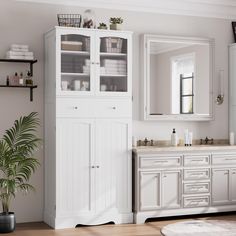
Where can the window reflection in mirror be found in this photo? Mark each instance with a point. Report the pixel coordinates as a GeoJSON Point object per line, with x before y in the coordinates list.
{"type": "Point", "coordinates": [178, 77]}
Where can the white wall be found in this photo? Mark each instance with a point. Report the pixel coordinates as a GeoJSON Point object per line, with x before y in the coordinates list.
{"type": "Point", "coordinates": [26, 23]}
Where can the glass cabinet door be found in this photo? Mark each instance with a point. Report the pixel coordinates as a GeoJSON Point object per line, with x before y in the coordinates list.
{"type": "Point", "coordinates": [113, 65]}
{"type": "Point", "coordinates": [75, 63]}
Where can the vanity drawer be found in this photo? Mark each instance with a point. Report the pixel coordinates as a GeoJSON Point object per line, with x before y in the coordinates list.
{"type": "Point", "coordinates": [223, 159]}
{"type": "Point", "coordinates": [196, 174]}
{"type": "Point", "coordinates": [160, 161]}
{"type": "Point", "coordinates": [198, 160]}
{"type": "Point", "coordinates": [193, 188]}
{"type": "Point", "coordinates": [98, 108]}
{"type": "Point", "coordinates": [202, 201]}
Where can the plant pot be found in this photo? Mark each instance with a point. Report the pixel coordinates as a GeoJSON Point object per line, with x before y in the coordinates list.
{"type": "Point", "coordinates": [7, 222]}
{"type": "Point", "coordinates": [102, 27]}
{"type": "Point", "coordinates": [115, 26]}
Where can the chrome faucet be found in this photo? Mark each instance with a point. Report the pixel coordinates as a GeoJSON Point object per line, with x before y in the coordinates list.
{"type": "Point", "coordinates": [207, 140]}
{"type": "Point", "coordinates": [146, 142]}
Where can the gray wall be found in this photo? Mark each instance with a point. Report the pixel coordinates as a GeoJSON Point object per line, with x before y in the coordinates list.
{"type": "Point", "coordinates": [26, 23]}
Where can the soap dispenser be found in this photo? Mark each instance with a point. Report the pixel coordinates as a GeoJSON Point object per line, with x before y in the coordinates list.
{"type": "Point", "coordinates": [174, 138]}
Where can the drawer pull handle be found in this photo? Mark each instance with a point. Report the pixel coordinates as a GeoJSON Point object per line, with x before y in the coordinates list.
{"type": "Point", "coordinates": [196, 160]}
{"type": "Point", "coordinates": [196, 174]}
{"type": "Point", "coordinates": [161, 161]}
{"type": "Point", "coordinates": [230, 159]}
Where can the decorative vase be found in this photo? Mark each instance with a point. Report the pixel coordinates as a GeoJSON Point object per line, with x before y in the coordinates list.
{"type": "Point", "coordinates": [115, 26]}
{"type": "Point", "coordinates": [7, 222]}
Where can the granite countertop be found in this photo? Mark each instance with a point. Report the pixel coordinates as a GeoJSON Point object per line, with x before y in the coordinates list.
{"type": "Point", "coordinates": [154, 149]}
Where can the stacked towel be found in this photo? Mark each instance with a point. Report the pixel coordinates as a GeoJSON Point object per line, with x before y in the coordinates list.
{"type": "Point", "coordinates": [21, 52]}
{"type": "Point", "coordinates": [86, 67]}
{"type": "Point", "coordinates": [114, 67]}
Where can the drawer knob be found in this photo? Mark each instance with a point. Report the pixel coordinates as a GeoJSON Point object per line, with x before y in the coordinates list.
{"type": "Point", "coordinates": [93, 167]}
{"type": "Point", "coordinates": [75, 108]}
{"type": "Point", "coordinates": [114, 108]}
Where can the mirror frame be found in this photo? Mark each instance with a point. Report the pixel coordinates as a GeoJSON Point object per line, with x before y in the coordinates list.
{"type": "Point", "coordinates": [145, 72]}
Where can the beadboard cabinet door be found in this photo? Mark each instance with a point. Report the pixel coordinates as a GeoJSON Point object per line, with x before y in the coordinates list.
{"type": "Point", "coordinates": [113, 157]}
{"type": "Point", "coordinates": [75, 158]}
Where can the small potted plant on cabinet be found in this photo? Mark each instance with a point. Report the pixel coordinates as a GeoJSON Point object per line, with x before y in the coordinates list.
{"type": "Point", "coordinates": [17, 165]}
{"type": "Point", "coordinates": [116, 23]}
{"type": "Point", "coordinates": [102, 26]}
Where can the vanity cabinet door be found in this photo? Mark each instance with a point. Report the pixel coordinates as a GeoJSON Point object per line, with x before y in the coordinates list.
{"type": "Point", "coordinates": [171, 189]}
{"type": "Point", "coordinates": [233, 185]}
{"type": "Point", "coordinates": [150, 183]}
{"type": "Point", "coordinates": [220, 186]}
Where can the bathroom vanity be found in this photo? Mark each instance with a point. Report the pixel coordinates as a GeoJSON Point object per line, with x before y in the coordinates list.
{"type": "Point", "coordinates": [172, 181]}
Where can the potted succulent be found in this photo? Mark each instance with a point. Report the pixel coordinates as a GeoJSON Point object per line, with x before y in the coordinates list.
{"type": "Point", "coordinates": [17, 164]}
{"type": "Point", "coordinates": [116, 23]}
{"type": "Point", "coordinates": [102, 26]}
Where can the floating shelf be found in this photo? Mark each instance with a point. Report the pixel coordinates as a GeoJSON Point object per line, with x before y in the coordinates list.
{"type": "Point", "coordinates": [31, 62]}
{"type": "Point", "coordinates": [31, 87]}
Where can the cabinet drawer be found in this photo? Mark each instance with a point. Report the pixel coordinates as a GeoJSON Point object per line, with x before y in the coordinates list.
{"type": "Point", "coordinates": [75, 108]}
{"type": "Point", "coordinates": [200, 160]}
{"type": "Point", "coordinates": [114, 108]}
{"type": "Point", "coordinates": [196, 201]}
{"type": "Point", "coordinates": [98, 108]}
{"type": "Point", "coordinates": [196, 174]}
{"type": "Point", "coordinates": [193, 188]}
{"type": "Point", "coordinates": [158, 162]}
{"type": "Point", "coordinates": [223, 159]}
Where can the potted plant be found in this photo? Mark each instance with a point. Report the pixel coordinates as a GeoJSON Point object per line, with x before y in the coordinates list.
{"type": "Point", "coordinates": [102, 26]}
{"type": "Point", "coordinates": [17, 164]}
{"type": "Point", "coordinates": [116, 23]}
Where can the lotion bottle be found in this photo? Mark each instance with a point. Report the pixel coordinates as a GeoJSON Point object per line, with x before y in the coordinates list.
{"type": "Point", "coordinates": [186, 139]}
{"type": "Point", "coordinates": [174, 138]}
{"type": "Point", "coordinates": [190, 138]}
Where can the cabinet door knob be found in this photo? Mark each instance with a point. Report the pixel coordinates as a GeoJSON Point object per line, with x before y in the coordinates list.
{"type": "Point", "coordinates": [92, 166]}
{"type": "Point", "coordinates": [114, 108]}
{"type": "Point", "coordinates": [98, 166]}
{"type": "Point", "coordinates": [76, 108]}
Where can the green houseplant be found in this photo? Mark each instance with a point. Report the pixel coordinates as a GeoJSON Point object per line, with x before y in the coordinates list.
{"type": "Point", "coordinates": [17, 164]}
{"type": "Point", "coordinates": [115, 23]}
{"type": "Point", "coordinates": [102, 26]}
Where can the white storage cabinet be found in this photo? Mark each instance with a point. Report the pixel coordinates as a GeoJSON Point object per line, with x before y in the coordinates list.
{"type": "Point", "coordinates": [88, 117]}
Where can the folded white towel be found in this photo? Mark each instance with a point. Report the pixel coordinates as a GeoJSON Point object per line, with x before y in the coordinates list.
{"type": "Point", "coordinates": [22, 46]}
{"type": "Point", "coordinates": [20, 57]}
{"type": "Point", "coordinates": [20, 53]}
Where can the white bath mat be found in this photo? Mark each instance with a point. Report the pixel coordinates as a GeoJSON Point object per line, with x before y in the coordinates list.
{"type": "Point", "coordinates": [201, 228]}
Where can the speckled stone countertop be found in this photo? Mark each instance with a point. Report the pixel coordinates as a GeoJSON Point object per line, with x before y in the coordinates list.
{"type": "Point", "coordinates": [155, 149]}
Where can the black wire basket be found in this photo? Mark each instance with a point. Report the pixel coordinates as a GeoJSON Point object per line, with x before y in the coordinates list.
{"type": "Point", "coordinates": [69, 20]}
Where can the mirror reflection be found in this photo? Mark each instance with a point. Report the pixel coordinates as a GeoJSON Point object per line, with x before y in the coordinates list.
{"type": "Point", "coordinates": [178, 77]}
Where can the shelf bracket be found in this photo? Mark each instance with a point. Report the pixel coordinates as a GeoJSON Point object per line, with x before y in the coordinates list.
{"type": "Point", "coordinates": [31, 94]}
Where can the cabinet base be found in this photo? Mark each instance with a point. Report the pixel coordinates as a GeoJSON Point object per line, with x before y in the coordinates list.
{"type": "Point", "coordinates": [72, 222]}
{"type": "Point", "coordinates": [141, 217]}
